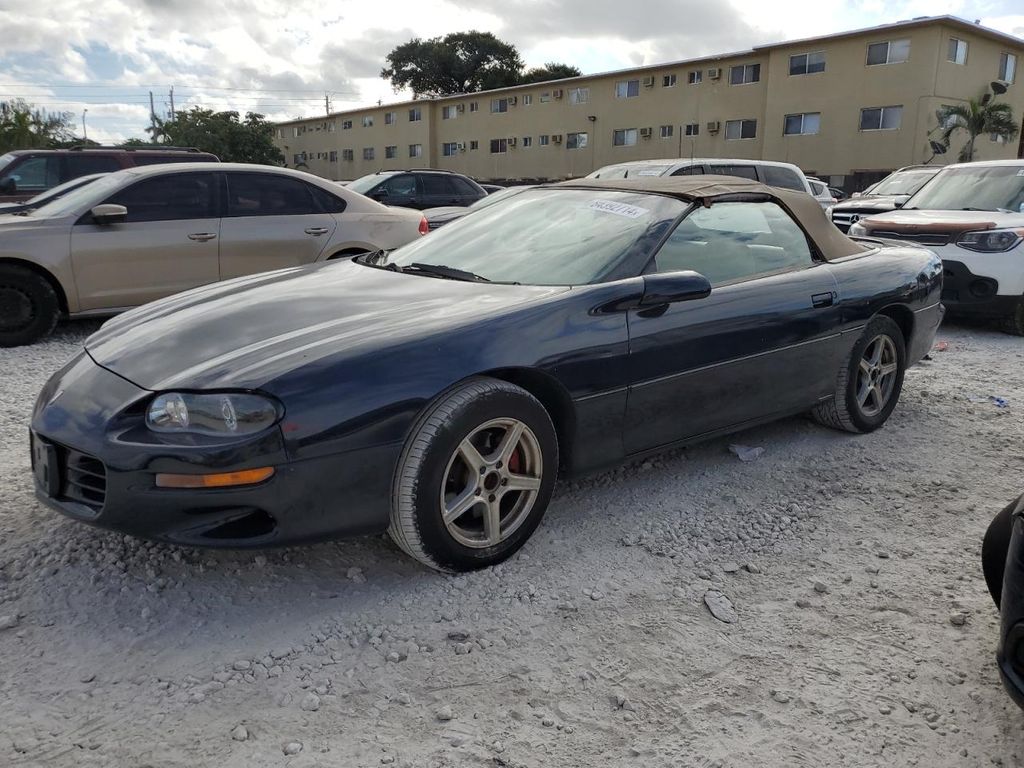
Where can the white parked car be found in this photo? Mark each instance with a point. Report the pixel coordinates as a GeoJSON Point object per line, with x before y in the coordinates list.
{"type": "Point", "coordinates": [972, 215]}
{"type": "Point", "coordinates": [774, 174]}
{"type": "Point", "coordinates": [147, 232]}
{"type": "Point", "coordinates": [821, 193]}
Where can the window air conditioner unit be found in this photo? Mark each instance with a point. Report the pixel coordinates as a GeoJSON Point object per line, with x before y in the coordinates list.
{"type": "Point", "coordinates": [645, 133]}
{"type": "Point", "coordinates": [714, 73]}
{"type": "Point", "coordinates": [460, 108]}
{"type": "Point", "coordinates": [714, 126]}
{"type": "Point", "coordinates": [461, 147]}
{"type": "Point", "coordinates": [648, 82]}
{"type": "Point", "coordinates": [556, 138]}
{"type": "Point", "coordinates": [511, 141]}
{"type": "Point", "coordinates": [557, 93]}
{"type": "Point", "coordinates": [513, 100]}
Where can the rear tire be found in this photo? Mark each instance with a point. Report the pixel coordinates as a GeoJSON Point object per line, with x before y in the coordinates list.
{"type": "Point", "coordinates": [1014, 323]}
{"type": "Point", "coordinates": [29, 308]}
{"type": "Point", "coordinates": [475, 476]}
{"type": "Point", "coordinates": [868, 386]}
{"type": "Point", "coordinates": [994, 549]}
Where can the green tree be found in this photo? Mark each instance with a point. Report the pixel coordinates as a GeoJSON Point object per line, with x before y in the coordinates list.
{"type": "Point", "coordinates": [23, 126]}
{"type": "Point", "coordinates": [975, 118]}
{"type": "Point", "coordinates": [552, 70]}
{"type": "Point", "coordinates": [222, 133]}
{"type": "Point", "coordinates": [461, 62]}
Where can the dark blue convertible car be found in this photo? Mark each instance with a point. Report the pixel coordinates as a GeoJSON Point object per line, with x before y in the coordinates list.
{"type": "Point", "coordinates": [437, 392]}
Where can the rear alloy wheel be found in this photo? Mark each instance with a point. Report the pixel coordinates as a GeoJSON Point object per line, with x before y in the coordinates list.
{"type": "Point", "coordinates": [475, 477]}
{"type": "Point", "coordinates": [869, 385]}
{"type": "Point", "coordinates": [29, 308]}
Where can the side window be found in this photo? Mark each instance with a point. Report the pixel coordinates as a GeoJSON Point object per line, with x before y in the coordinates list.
{"type": "Point", "coordinates": [437, 184]}
{"type": "Point", "coordinates": [735, 241]}
{"type": "Point", "coordinates": [35, 174]}
{"type": "Point", "coordinates": [403, 185]}
{"type": "Point", "coordinates": [787, 178]}
{"type": "Point", "coordinates": [265, 194]}
{"type": "Point", "coordinates": [690, 170]}
{"type": "Point", "coordinates": [85, 164]}
{"type": "Point", "coordinates": [743, 171]}
{"type": "Point", "coordinates": [464, 188]}
{"type": "Point", "coordinates": [328, 203]}
{"type": "Point", "coordinates": [179, 196]}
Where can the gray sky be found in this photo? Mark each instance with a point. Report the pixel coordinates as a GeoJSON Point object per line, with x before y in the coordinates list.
{"type": "Point", "coordinates": [280, 58]}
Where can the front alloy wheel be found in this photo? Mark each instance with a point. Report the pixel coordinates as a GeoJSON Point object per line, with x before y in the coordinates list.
{"type": "Point", "coordinates": [876, 375]}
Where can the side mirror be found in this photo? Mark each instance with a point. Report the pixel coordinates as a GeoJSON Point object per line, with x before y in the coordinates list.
{"type": "Point", "coordinates": [9, 186]}
{"type": "Point", "coordinates": [901, 204]}
{"type": "Point", "coordinates": [672, 287]}
{"type": "Point", "coordinates": [108, 213]}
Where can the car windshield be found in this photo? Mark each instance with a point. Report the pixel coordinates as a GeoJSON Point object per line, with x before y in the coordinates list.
{"type": "Point", "coordinates": [61, 189]}
{"type": "Point", "coordinates": [366, 183]}
{"type": "Point", "coordinates": [91, 194]}
{"type": "Point", "coordinates": [903, 182]}
{"type": "Point", "coordinates": [979, 188]}
{"type": "Point", "coordinates": [550, 236]}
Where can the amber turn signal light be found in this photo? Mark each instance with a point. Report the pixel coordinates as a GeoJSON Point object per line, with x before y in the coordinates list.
{"type": "Point", "coordinates": [221, 480]}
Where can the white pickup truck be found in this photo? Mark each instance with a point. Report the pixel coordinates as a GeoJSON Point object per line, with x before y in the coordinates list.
{"type": "Point", "coordinates": [972, 216]}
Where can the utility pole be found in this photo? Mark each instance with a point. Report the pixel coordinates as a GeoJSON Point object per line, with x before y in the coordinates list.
{"type": "Point", "coordinates": [172, 103]}
{"type": "Point", "coordinates": [327, 103]}
{"type": "Point", "coordinates": [152, 116]}
{"type": "Point", "coordinates": [85, 133]}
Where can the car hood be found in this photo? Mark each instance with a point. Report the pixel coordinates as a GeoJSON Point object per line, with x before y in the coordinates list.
{"type": "Point", "coordinates": [246, 332]}
{"type": "Point", "coordinates": [940, 221]}
{"type": "Point", "coordinates": [871, 202]}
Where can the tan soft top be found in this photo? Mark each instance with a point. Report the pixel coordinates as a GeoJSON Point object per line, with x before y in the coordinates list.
{"type": "Point", "coordinates": [705, 189]}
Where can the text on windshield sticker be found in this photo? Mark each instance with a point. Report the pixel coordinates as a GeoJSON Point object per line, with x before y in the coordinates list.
{"type": "Point", "coordinates": [619, 209]}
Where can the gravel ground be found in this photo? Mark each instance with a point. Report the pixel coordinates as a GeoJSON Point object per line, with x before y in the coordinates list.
{"type": "Point", "coordinates": [862, 632]}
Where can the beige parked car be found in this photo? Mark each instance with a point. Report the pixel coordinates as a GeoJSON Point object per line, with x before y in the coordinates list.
{"type": "Point", "coordinates": [143, 233]}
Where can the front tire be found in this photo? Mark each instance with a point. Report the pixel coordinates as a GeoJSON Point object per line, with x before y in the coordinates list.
{"type": "Point", "coordinates": [869, 385]}
{"type": "Point", "coordinates": [1014, 323]}
{"type": "Point", "coordinates": [475, 476]}
{"type": "Point", "coordinates": [29, 308]}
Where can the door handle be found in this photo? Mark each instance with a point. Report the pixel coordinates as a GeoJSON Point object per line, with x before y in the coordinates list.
{"type": "Point", "coordinates": [316, 231]}
{"type": "Point", "coordinates": [202, 237]}
{"type": "Point", "coordinates": [820, 300]}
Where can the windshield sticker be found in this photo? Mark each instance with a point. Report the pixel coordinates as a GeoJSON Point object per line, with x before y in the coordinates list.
{"type": "Point", "coordinates": [619, 209]}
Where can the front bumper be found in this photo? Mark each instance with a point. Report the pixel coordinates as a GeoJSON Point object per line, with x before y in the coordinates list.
{"type": "Point", "coordinates": [970, 294]}
{"type": "Point", "coordinates": [94, 461]}
{"type": "Point", "coordinates": [1010, 655]}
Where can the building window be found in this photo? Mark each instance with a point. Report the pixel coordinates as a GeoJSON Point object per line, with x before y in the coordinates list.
{"type": "Point", "coordinates": [805, 124]}
{"type": "Point", "coordinates": [623, 137]}
{"type": "Point", "coordinates": [957, 51]}
{"type": "Point", "coordinates": [499, 105]}
{"type": "Point", "coordinates": [740, 129]}
{"type": "Point", "coordinates": [474, 144]}
{"type": "Point", "coordinates": [368, 121]}
{"type": "Point", "coordinates": [499, 146]}
{"type": "Point", "coordinates": [348, 155]}
{"type": "Point", "coordinates": [391, 152]}
{"type": "Point", "coordinates": [527, 141]}
{"type": "Point", "coordinates": [626, 89]}
{"type": "Point", "coordinates": [667, 131]}
{"type": "Point", "coordinates": [448, 149]}
{"type": "Point", "coordinates": [695, 76]}
{"type": "Point", "coordinates": [668, 81]}
{"type": "Point", "coordinates": [881, 118]}
{"type": "Point", "coordinates": [415, 115]}
{"type": "Point", "coordinates": [449, 112]}
{"type": "Point", "coordinates": [807, 63]}
{"type": "Point", "coordinates": [295, 131]}
{"type": "Point", "coordinates": [544, 139]}
{"type": "Point", "coordinates": [576, 140]}
{"type": "Point", "coordinates": [367, 153]}
{"type": "Point", "coordinates": [579, 95]}
{"type": "Point", "coordinates": [415, 150]}
{"type": "Point", "coordinates": [527, 99]}
{"type": "Point", "coordinates": [545, 97]}
{"type": "Point", "coordinates": [742, 74]}
{"type": "Point", "coordinates": [692, 129]}
{"type": "Point", "coordinates": [474, 106]}
{"type": "Point", "coordinates": [332, 127]}
{"type": "Point", "coordinates": [1007, 67]}
{"type": "Point", "coordinates": [346, 125]}
{"type": "Point", "coordinates": [390, 118]}
{"type": "Point", "coordinates": [333, 156]}
{"type": "Point", "coordinates": [889, 52]}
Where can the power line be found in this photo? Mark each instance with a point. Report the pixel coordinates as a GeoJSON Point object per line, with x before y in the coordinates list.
{"type": "Point", "coordinates": [183, 87]}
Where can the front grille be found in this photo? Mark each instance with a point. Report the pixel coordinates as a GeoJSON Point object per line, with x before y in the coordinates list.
{"type": "Point", "coordinates": [921, 238]}
{"type": "Point", "coordinates": [83, 478]}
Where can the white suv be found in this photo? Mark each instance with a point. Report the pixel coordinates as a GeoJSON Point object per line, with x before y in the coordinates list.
{"type": "Point", "coordinates": [972, 216]}
{"type": "Point", "coordinates": [774, 174]}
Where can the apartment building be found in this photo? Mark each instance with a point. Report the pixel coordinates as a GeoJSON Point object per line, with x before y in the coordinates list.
{"type": "Point", "coordinates": [847, 107]}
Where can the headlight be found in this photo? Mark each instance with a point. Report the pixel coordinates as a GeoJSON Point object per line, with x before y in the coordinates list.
{"type": "Point", "coordinates": [828, 212]}
{"type": "Point", "coordinates": [991, 240]}
{"type": "Point", "coordinates": [218, 413]}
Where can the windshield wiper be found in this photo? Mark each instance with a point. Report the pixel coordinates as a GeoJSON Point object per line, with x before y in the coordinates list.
{"type": "Point", "coordinates": [448, 273]}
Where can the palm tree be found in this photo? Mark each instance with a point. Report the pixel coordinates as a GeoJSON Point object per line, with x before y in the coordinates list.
{"type": "Point", "coordinates": [976, 117]}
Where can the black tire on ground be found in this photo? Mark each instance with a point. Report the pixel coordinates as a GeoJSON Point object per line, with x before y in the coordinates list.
{"type": "Point", "coordinates": [433, 466]}
{"type": "Point", "coordinates": [29, 308]}
{"type": "Point", "coordinates": [1014, 323]}
{"type": "Point", "coordinates": [349, 253]}
{"type": "Point", "coordinates": [844, 410]}
{"type": "Point", "coordinates": [994, 549]}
